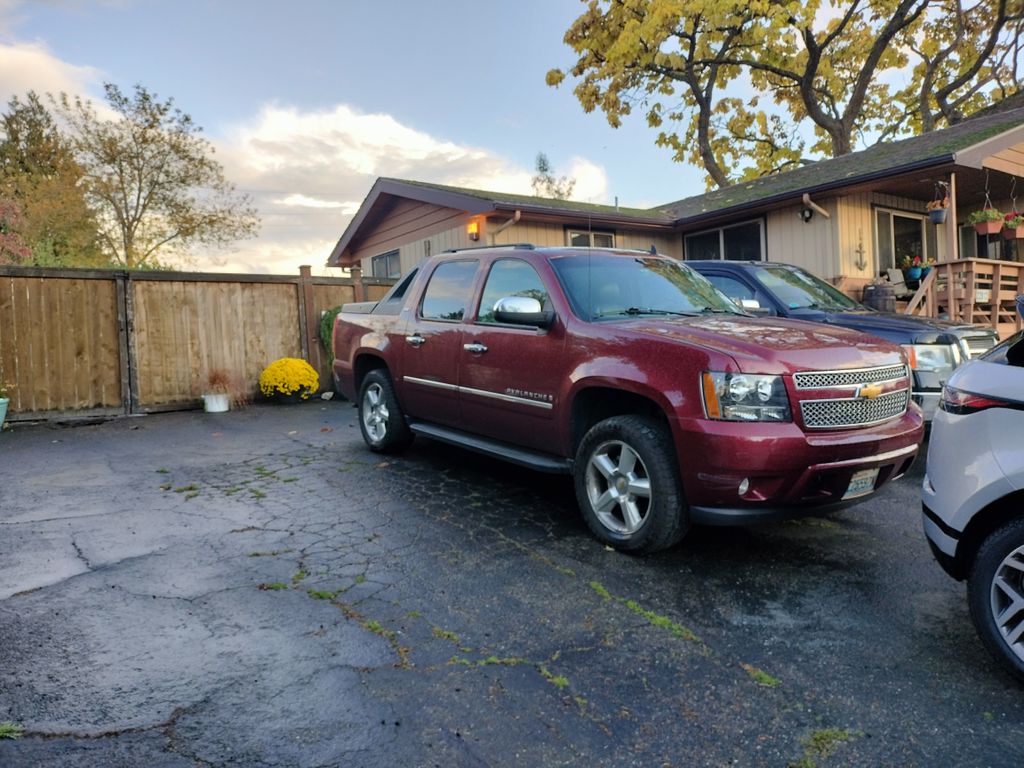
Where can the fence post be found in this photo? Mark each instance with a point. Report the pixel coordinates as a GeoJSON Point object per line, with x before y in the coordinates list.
{"type": "Point", "coordinates": [309, 323]}
{"type": "Point", "coordinates": [126, 341]}
{"type": "Point", "coordinates": [358, 289]}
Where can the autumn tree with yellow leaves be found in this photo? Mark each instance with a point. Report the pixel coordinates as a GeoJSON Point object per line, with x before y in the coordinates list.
{"type": "Point", "coordinates": [746, 88]}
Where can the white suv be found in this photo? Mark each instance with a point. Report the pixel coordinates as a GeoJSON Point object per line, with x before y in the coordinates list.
{"type": "Point", "coordinates": [973, 494]}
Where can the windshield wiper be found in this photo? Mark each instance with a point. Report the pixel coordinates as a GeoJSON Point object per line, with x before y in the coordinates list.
{"type": "Point", "coordinates": [717, 311]}
{"type": "Point", "coordinates": [652, 311]}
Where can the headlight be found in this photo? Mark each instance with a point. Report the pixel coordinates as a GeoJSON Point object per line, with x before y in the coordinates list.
{"type": "Point", "coordinates": [940, 358]}
{"type": "Point", "coordinates": [745, 397]}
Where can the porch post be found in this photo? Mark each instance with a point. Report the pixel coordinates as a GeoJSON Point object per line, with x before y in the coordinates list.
{"type": "Point", "coordinates": [952, 235]}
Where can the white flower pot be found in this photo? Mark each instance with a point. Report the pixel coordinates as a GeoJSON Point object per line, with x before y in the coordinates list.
{"type": "Point", "coordinates": [216, 403]}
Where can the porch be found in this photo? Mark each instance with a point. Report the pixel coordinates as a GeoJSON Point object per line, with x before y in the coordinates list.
{"type": "Point", "coordinates": [979, 291]}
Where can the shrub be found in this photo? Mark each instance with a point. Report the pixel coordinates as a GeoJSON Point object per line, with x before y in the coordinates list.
{"type": "Point", "coordinates": [288, 376]}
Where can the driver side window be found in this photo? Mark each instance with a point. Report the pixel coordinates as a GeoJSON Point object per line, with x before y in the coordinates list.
{"type": "Point", "coordinates": [510, 277]}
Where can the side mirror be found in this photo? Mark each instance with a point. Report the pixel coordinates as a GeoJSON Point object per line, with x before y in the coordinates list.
{"type": "Point", "coordinates": [522, 310]}
{"type": "Point", "coordinates": [753, 307]}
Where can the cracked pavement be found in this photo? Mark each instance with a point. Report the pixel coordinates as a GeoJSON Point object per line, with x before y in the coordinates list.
{"type": "Point", "coordinates": [257, 589]}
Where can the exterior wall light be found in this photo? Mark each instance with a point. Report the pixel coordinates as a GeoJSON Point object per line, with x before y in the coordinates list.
{"type": "Point", "coordinates": [473, 230]}
{"type": "Point", "coordinates": [806, 214]}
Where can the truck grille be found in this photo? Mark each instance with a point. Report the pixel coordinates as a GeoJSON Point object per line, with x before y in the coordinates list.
{"type": "Point", "coordinates": [850, 378]}
{"type": "Point", "coordinates": [853, 412]}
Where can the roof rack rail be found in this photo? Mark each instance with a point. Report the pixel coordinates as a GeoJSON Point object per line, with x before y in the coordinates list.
{"type": "Point", "coordinates": [520, 246]}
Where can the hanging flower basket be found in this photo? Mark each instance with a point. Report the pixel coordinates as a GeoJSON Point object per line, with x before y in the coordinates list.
{"type": "Point", "coordinates": [1013, 226]}
{"type": "Point", "coordinates": [987, 221]}
{"type": "Point", "coordinates": [937, 216]}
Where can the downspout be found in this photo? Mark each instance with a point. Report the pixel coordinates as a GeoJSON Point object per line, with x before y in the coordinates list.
{"type": "Point", "coordinates": [515, 217]}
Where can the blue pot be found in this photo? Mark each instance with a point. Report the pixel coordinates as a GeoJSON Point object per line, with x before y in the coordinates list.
{"type": "Point", "coordinates": [937, 216]}
{"type": "Point", "coordinates": [912, 273]}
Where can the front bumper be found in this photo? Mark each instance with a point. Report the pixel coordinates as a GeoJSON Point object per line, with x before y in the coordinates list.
{"type": "Point", "coordinates": [788, 473]}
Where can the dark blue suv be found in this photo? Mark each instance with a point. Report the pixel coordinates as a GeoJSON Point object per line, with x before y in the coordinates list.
{"type": "Point", "coordinates": [935, 347]}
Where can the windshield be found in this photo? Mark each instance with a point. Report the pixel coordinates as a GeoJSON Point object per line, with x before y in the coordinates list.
{"type": "Point", "coordinates": [800, 290]}
{"type": "Point", "coordinates": [603, 286]}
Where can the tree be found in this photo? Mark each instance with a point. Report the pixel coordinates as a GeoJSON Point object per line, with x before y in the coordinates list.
{"type": "Point", "coordinates": [701, 69]}
{"type": "Point", "coordinates": [39, 174]}
{"type": "Point", "coordinates": [546, 185]}
{"type": "Point", "coordinates": [12, 247]}
{"type": "Point", "coordinates": [152, 179]}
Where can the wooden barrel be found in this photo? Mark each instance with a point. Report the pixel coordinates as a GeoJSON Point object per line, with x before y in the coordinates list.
{"type": "Point", "coordinates": [880, 296]}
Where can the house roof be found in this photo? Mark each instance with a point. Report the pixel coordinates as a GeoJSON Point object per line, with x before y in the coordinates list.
{"type": "Point", "coordinates": [479, 201]}
{"type": "Point", "coordinates": [966, 143]}
{"type": "Point", "coordinates": [882, 160]}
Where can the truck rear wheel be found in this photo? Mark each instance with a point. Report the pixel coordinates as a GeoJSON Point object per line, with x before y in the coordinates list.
{"type": "Point", "coordinates": [995, 594]}
{"type": "Point", "coordinates": [380, 417]}
{"type": "Point", "coordinates": [627, 484]}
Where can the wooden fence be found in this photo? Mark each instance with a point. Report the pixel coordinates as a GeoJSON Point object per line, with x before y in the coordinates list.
{"type": "Point", "coordinates": [104, 342]}
{"type": "Point", "coordinates": [980, 291]}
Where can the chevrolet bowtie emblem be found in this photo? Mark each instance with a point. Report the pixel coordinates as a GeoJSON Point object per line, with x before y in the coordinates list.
{"type": "Point", "coordinates": [869, 391]}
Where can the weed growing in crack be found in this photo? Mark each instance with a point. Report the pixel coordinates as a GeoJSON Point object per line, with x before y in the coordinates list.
{"type": "Point", "coordinates": [271, 553]}
{"type": "Point", "coordinates": [9, 730]}
{"type": "Point", "coordinates": [164, 471]}
{"type": "Point", "coordinates": [444, 634]}
{"type": "Point", "coordinates": [322, 594]}
{"type": "Point", "coordinates": [186, 488]}
{"type": "Point", "coordinates": [655, 619]}
{"type": "Point", "coordinates": [272, 585]}
{"type": "Point", "coordinates": [298, 577]}
{"type": "Point", "coordinates": [256, 494]}
{"type": "Point", "coordinates": [820, 745]}
{"type": "Point", "coordinates": [760, 677]}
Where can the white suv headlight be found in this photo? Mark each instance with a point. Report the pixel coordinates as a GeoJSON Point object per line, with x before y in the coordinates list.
{"type": "Point", "coordinates": [745, 397]}
{"type": "Point", "coordinates": [940, 358]}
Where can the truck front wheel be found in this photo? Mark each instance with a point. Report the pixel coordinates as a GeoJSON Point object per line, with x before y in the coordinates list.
{"type": "Point", "coordinates": [995, 594]}
{"type": "Point", "coordinates": [627, 484]}
{"type": "Point", "coordinates": [380, 417]}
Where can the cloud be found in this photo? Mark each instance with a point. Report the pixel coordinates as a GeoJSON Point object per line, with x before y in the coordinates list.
{"type": "Point", "coordinates": [32, 67]}
{"type": "Point", "coordinates": [308, 172]}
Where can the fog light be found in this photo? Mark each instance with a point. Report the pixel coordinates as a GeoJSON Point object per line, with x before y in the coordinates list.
{"type": "Point", "coordinates": [744, 485]}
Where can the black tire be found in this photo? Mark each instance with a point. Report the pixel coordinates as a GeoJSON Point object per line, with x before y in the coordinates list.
{"type": "Point", "coordinates": [627, 520]}
{"type": "Point", "coordinates": [380, 417]}
{"type": "Point", "coordinates": [987, 601]}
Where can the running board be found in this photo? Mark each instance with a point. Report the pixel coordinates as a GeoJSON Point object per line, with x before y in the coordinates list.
{"type": "Point", "coordinates": [524, 457]}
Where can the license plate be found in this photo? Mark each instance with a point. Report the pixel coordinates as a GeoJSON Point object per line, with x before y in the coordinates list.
{"type": "Point", "coordinates": [862, 483]}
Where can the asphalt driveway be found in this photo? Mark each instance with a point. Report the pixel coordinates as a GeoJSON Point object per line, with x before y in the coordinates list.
{"type": "Point", "coordinates": [256, 589]}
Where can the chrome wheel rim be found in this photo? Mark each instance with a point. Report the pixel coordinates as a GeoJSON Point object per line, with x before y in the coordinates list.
{"type": "Point", "coordinates": [618, 487]}
{"type": "Point", "coordinates": [375, 413]}
{"type": "Point", "coordinates": [1008, 601]}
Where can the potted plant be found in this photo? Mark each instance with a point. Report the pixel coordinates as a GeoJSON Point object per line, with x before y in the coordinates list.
{"type": "Point", "coordinates": [217, 393]}
{"type": "Point", "coordinates": [1013, 225]}
{"type": "Point", "coordinates": [911, 266]}
{"type": "Point", "coordinates": [987, 221]}
{"type": "Point", "coordinates": [937, 210]}
{"type": "Point", "coordinates": [5, 389]}
{"type": "Point", "coordinates": [926, 267]}
{"type": "Point", "coordinates": [289, 380]}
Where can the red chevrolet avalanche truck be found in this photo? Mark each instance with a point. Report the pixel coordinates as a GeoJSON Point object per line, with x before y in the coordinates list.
{"type": "Point", "coordinates": [632, 373]}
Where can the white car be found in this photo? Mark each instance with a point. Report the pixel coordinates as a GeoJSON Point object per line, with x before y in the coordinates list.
{"type": "Point", "coordinates": [973, 494]}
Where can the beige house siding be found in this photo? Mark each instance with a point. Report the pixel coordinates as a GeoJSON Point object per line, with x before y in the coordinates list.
{"type": "Point", "coordinates": [544, 233]}
{"type": "Point", "coordinates": [812, 244]}
{"type": "Point", "coordinates": [407, 222]}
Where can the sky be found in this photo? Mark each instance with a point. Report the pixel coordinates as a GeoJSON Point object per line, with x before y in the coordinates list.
{"type": "Point", "coordinates": [307, 102]}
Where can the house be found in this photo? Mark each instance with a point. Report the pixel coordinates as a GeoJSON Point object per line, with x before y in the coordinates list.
{"type": "Point", "coordinates": [847, 219]}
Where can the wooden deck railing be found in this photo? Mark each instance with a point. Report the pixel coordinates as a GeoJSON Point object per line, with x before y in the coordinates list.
{"type": "Point", "coordinates": [979, 291]}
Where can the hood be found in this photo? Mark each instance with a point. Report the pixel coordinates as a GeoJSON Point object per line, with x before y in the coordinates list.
{"type": "Point", "coordinates": [772, 346]}
{"type": "Point", "coordinates": [900, 329]}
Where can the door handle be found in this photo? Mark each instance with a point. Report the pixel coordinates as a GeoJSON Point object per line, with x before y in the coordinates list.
{"type": "Point", "coordinates": [476, 348]}
{"type": "Point", "coordinates": [416, 340]}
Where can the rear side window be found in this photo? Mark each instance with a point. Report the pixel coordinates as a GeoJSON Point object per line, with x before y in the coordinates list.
{"type": "Point", "coordinates": [510, 277]}
{"type": "Point", "coordinates": [448, 292]}
{"type": "Point", "coordinates": [731, 287]}
{"type": "Point", "coordinates": [392, 302]}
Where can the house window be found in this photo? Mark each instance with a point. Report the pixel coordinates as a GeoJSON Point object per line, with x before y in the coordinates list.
{"type": "Point", "coordinates": [737, 242]}
{"type": "Point", "coordinates": [899, 234]}
{"type": "Point", "coordinates": [589, 239]}
{"type": "Point", "coordinates": [386, 265]}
